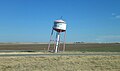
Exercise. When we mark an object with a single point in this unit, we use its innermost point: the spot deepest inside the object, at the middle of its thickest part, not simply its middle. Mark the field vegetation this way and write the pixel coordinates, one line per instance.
(82, 47)
(60, 63)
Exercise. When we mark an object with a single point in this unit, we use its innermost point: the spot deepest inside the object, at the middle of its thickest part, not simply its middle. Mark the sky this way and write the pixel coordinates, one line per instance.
(87, 20)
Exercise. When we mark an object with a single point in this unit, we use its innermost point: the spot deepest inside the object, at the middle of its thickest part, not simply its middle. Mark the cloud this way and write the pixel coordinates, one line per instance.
(113, 14)
(116, 16)
(111, 37)
(108, 38)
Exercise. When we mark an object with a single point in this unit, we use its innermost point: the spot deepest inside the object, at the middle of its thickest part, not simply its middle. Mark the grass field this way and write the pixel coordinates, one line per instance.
(60, 63)
(89, 47)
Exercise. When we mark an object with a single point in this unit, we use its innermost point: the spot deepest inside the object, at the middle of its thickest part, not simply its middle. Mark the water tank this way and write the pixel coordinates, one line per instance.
(59, 26)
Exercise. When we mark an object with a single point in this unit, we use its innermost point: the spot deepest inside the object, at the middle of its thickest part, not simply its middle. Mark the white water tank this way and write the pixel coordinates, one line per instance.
(59, 26)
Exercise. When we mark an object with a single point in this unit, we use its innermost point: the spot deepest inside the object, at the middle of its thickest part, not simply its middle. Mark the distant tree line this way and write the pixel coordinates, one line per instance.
(79, 42)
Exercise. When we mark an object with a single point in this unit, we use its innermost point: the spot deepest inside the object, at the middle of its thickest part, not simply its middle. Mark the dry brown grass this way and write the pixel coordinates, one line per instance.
(60, 63)
(83, 47)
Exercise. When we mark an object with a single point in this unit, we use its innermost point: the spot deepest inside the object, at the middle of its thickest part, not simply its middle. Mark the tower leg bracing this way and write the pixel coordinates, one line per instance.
(57, 41)
(64, 41)
(50, 40)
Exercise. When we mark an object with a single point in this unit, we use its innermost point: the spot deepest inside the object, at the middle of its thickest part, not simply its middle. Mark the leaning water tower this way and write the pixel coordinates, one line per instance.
(59, 27)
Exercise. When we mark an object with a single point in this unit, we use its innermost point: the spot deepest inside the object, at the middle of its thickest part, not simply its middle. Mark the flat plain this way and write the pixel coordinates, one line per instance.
(83, 47)
(61, 63)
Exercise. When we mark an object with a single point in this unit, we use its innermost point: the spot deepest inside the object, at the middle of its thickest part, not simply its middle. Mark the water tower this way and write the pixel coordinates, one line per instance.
(59, 27)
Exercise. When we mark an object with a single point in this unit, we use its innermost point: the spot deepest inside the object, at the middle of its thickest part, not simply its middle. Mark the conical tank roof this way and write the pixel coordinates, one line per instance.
(59, 21)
